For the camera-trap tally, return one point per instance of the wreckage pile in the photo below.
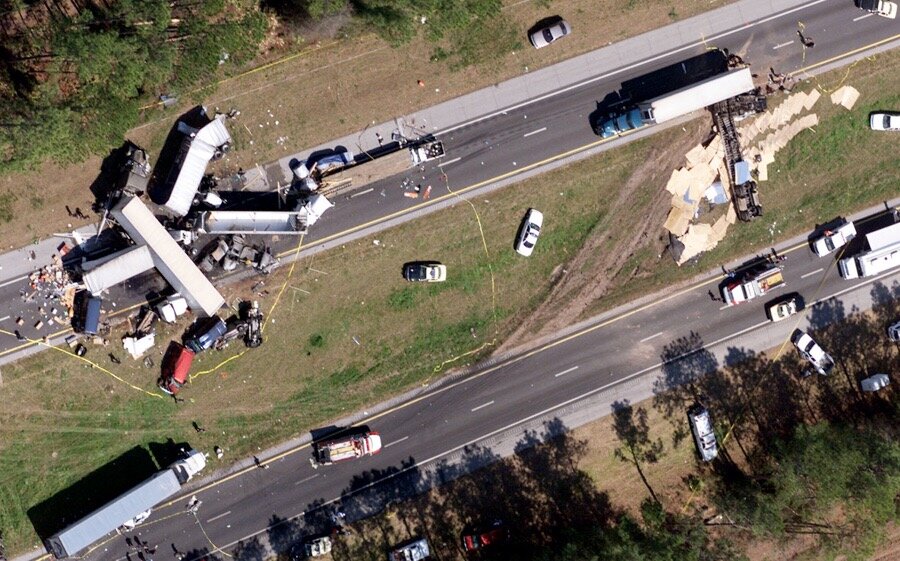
(53, 291)
(705, 175)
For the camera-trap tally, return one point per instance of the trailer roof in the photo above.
(116, 268)
(201, 147)
(168, 257)
(884, 237)
(107, 518)
(702, 94)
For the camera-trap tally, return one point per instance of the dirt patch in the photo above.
(630, 225)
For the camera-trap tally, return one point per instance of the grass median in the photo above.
(348, 331)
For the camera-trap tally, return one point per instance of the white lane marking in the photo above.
(702, 42)
(4, 318)
(14, 280)
(306, 479)
(645, 339)
(811, 273)
(725, 306)
(482, 406)
(396, 442)
(369, 190)
(551, 409)
(534, 132)
(864, 17)
(782, 45)
(219, 516)
(573, 369)
(448, 162)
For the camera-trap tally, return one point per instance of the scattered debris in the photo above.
(846, 96)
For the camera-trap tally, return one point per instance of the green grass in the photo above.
(357, 333)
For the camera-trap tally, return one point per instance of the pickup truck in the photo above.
(834, 238)
(813, 352)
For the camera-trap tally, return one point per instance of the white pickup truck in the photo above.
(834, 238)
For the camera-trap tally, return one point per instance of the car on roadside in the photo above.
(704, 435)
(882, 121)
(882, 8)
(782, 309)
(834, 237)
(549, 33)
(414, 550)
(812, 352)
(894, 332)
(529, 231)
(874, 383)
(425, 272)
(480, 538)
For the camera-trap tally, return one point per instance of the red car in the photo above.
(497, 533)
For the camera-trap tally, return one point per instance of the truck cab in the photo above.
(617, 124)
(176, 366)
(834, 238)
(191, 463)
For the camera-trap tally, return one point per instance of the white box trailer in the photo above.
(140, 499)
(198, 148)
(264, 222)
(113, 269)
(883, 254)
(697, 96)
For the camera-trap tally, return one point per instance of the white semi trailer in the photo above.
(883, 254)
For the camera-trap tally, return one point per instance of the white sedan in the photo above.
(884, 121)
(783, 309)
(549, 33)
(529, 232)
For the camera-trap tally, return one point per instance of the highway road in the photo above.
(491, 147)
(498, 401)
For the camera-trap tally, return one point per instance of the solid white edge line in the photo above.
(417, 465)
(396, 442)
(702, 42)
(654, 336)
(483, 405)
(14, 280)
(534, 132)
(811, 273)
(219, 516)
(442, 164)
(558, 374)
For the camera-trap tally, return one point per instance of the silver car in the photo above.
(547, 34)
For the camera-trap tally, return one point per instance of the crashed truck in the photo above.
(347, 447)
(297, 221)
(343, 171)
(128, 509)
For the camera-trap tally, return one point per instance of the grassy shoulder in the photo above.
(325, 89)
(348, 332)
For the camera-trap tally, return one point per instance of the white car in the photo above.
(884, 121)
(783, 309)
(894, 332)
(874, 383)
(704, 435)
(811, 351)
(425, 272)
(881, 8)
(834, 238)
(549, 33)
(529, 232)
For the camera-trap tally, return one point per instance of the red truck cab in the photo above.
(175, 369)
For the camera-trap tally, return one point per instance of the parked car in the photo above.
(882, 8)
(546, 34)
(813, 352)
(205, 334)
(894, 332)
(782, 309)
(529, 232)
(416, 550)
(874, 383)
(834, 237)
(425, 272)
(480, 538)
(704, 435)
(884, 121)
